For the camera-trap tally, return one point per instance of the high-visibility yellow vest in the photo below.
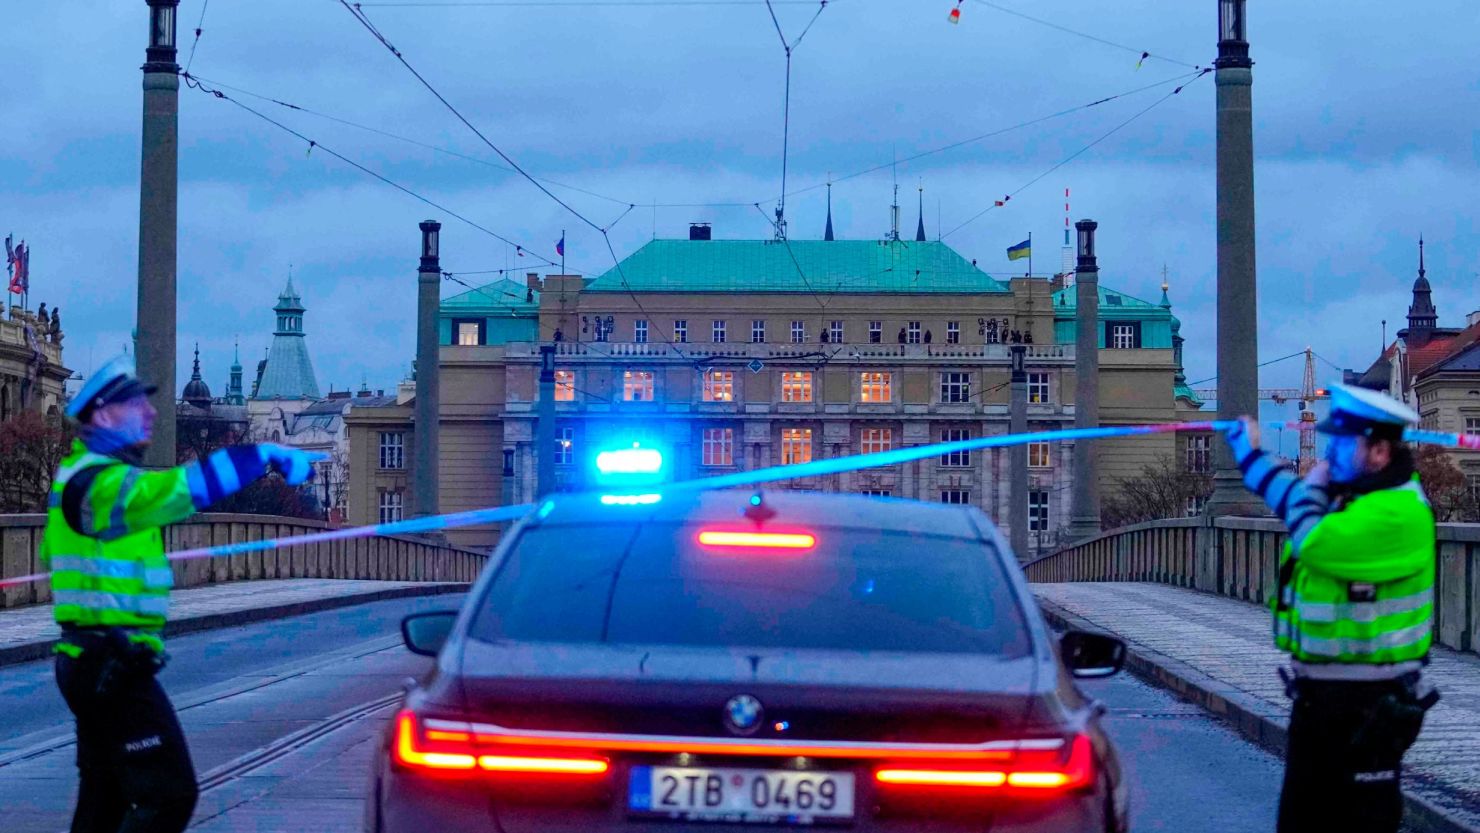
(110, 569)
(1360, 591)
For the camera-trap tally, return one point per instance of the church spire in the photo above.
(828, 234)
(1422, 317)
(920, 229)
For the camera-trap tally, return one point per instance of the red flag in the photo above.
(20, 278)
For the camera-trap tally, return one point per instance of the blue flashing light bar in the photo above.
(634, 460)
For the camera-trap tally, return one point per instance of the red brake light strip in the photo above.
(757, 540)
(462, 753)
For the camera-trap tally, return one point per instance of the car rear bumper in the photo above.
(411, 803)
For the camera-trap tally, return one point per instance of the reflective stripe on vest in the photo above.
(122, 602)
(1352, 671)
(1390, 640)
(1363, 612)
(153, 578)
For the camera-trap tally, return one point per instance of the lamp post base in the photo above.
(1230, 498)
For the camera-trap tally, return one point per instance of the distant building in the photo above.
(740, 354)
(32, 377)
(204, 423)
(1436, 370)
(285, 381)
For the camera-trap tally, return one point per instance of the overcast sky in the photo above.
(1367, 123)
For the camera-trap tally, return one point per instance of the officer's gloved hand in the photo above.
(295, 466)
(1243, 439)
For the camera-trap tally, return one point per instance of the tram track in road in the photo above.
(48, 741)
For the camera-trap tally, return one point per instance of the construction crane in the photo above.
(1306, 395)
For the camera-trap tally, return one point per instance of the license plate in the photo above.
(758, 796)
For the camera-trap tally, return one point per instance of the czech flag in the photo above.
(560, 246)
(1020, 251)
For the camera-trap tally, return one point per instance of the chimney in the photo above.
(699, 231)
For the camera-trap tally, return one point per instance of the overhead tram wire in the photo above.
(199, 27)
(605, 236)
(433, 4)
(1075, 32)
(1076, 154)
(195, 83)
(1261, 364)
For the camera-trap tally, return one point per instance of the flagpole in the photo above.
(1030, 254)
(562, 251)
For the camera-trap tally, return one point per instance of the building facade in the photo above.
(742, 354)
(32, 377)
(1436, 370)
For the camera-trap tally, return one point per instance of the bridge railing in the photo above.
(384, 557)
(1239, 557)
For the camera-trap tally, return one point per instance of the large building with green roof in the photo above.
(738, 354)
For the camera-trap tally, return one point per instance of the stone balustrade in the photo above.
(1239, 557)
(384, 557)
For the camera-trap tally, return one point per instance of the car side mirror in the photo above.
(426, 633)
(1088, 654)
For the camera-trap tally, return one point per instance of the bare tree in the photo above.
(269, 495)
(1162, 490)
(1445, 485)
(31, 448)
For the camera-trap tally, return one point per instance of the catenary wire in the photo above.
(199, 27)
(1075, 155)
(193, 82)
(1097, 39)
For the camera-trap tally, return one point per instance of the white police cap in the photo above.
(115, 381)
(1362, 412)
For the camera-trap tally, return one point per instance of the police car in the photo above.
(722, 660)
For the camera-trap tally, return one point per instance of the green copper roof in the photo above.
(1110, 300)
(872, 266)
(1182, 391)
(503, 295)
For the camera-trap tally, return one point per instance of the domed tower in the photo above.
(197, 392)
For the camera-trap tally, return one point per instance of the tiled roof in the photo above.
(1461, 353)
(872, 266)
(1466, 360)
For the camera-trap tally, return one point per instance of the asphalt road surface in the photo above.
(280, 717)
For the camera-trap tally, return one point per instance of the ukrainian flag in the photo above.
(1021, 250)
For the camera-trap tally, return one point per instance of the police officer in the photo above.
(1354, 609)
(110, 583)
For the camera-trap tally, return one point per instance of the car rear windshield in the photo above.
(856, 589)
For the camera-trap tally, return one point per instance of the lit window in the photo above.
(469, 333)
(1038, 510)
(796, 446)
(639, 332)
(391, 507)
(798, 331)
(565, 386)
(873, 440)
(637, 385)
(876, 386)
(912, 332)
(1199, 453)
(719, 386)
(875, 332)
(835, 332)
(953, 332)
(717, 331)
(955, 459)
(681, 331)
(1038, 388)
(758, 331)
(796, 386)
(1123, 336)
(392, 450)
(1039, 457)
(719, 447)
(955, 497)
(565, 447)
(955, 387)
